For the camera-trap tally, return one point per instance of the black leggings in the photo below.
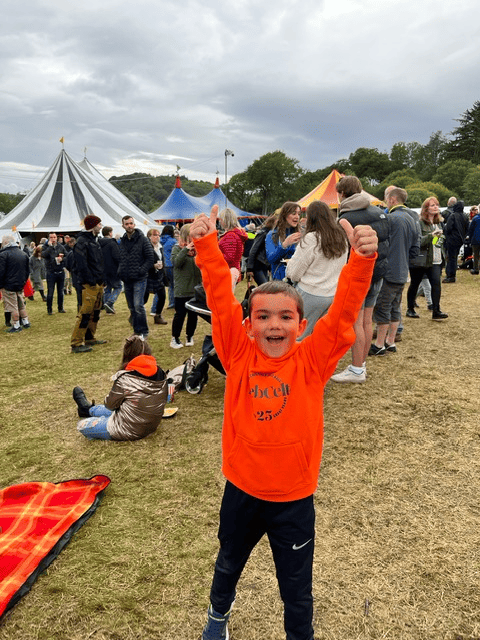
(178, 319)
(433, 274)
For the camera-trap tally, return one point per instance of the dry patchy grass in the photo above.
(398, 543)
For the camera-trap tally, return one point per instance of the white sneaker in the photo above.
(349, 376)
(189, 342)
(175, 345)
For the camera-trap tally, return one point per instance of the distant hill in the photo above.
(149, 192)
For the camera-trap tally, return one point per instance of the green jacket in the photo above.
(426, 245)
(186, 274)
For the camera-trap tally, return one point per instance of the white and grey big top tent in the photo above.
(67, 193)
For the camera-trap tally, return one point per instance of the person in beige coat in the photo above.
(134, 407)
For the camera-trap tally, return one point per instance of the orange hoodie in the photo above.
(272, 434)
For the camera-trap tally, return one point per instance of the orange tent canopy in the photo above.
(326, 191)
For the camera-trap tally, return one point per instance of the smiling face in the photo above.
(274, 323)
(294, 217)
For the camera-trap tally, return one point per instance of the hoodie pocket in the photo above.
(266, 468)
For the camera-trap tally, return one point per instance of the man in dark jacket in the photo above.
(136, 259)
(88, 266)
(356, 208)
(54, 253)
(14, 272)
(111, 262)
(455, 232)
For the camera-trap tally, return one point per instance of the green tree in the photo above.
(273, 177)
(438, 190)
(370, 163)
(9, 201)
(452, 174)
(417, 195)
(398, 178)
(471, 186)
(466, 137)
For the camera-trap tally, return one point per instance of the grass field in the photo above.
(398, 514)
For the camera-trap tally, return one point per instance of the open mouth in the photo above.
(275, 339)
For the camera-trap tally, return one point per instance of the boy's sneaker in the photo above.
(376, 351)
(349, 376)
(175, 344)
(189, 342)
(14, 330)
(216, 627)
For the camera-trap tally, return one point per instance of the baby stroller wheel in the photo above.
(196, 380)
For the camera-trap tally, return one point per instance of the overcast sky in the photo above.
(152, 84)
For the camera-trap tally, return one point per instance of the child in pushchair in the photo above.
(198, 376)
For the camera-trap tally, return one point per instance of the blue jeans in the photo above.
(111, 293)
(55, 278)
(95, 428)
(135, 294)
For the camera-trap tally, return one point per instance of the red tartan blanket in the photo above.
(37, 519)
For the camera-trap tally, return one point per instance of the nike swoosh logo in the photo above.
(296, 547)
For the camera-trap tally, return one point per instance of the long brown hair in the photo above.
(134, 346)
(282, 225)
(331, 238)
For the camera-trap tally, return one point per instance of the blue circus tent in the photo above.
(179, 206)
(216, 196)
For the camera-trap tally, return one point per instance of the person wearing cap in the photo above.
(88, 264)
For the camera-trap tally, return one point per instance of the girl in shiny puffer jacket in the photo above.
(134, 407)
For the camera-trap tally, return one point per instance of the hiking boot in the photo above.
(216, 627)
(83, 405)
(175, 344)
(376, 351)
(90, 343)
(474, 272)
(411, 313)
(439, 315)
(62, 311)
(349, 376)
(158, 319)
(81, 348)
(446, 280)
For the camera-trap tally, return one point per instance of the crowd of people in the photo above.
(323, 282)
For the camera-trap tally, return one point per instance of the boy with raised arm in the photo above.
(272, 432)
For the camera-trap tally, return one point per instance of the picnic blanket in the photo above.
(37, 519)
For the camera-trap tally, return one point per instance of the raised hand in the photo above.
(362, 238)
(203, 224)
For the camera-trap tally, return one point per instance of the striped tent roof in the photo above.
(65, 195)
(326, 191)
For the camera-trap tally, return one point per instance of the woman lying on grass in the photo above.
(134, 407)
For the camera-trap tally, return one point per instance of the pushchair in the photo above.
(198, 376)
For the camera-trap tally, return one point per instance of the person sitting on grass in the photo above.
(272, 432)
(134, 407)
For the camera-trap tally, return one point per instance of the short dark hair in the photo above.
(168, 230)
(399, 194)
(349, 186)
(277, 286)
(106, 231)
(127, 218)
